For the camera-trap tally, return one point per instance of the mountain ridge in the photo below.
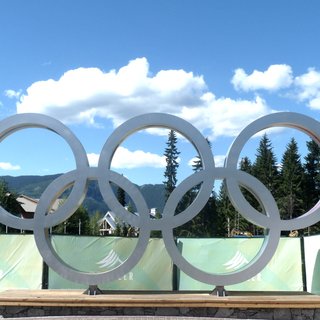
(34, 185)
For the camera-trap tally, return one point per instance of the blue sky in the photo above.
(95, 64)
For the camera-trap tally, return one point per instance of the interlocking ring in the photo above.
(144, 122)
(282, 119)
(55, 262)
(22, 121)
(234, 178)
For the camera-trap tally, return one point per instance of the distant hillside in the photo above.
(33, 186)
(154, 195)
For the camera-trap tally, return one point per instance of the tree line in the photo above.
(295, 185)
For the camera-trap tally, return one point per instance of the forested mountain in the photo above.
(33, 186)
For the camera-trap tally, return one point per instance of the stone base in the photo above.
(16, 312)
(114, 306)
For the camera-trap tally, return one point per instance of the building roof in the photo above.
(29, 204)
(111, 218)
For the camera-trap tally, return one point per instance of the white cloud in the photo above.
(276, 77)
(315, 103)
(9, 166)
(225, 116)
(93, 159)
(123, 158)
(12, 94)
(308, 86)
(85, 94)
(82, 94)
(219, 160)
(126, 159)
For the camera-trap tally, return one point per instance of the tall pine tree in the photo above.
(205, 223)
(226, 212)
(231, 221)
(9, 202)
(171, 154)
(246, 166)
(121, 196)
(312, 180)
(312, 170)
(265, 166)
(292, 183)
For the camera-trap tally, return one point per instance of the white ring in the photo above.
(143, 122)
(31, 120)
(266, 251)
(282, 119)
(43, 241)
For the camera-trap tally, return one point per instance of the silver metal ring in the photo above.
(282, 119)
(48, 253)
(267, 249)
(30, 120)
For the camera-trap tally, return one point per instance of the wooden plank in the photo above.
(76, 298)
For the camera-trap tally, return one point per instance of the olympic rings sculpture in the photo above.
(79, 177)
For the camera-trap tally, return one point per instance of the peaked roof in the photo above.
(29, 204)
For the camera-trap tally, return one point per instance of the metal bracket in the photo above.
(219, 291)
(93, 290)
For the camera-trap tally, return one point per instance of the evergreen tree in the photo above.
(121, 196)
(171, 154)
(9, 202)
(93, 224)
(206, 224)
(312, 180)
(117, 231)
(265, 166)
(211, 221)
(197, 162)
(246, 166)
(266, 171)
(227, 215)
(122, 229)
(292, 183)
(230, 220)
(312, 170)
(8, 199)
(78, 223)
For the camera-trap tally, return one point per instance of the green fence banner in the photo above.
(99, 254)
(312, 258)
(20, 263)
(283, 272)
